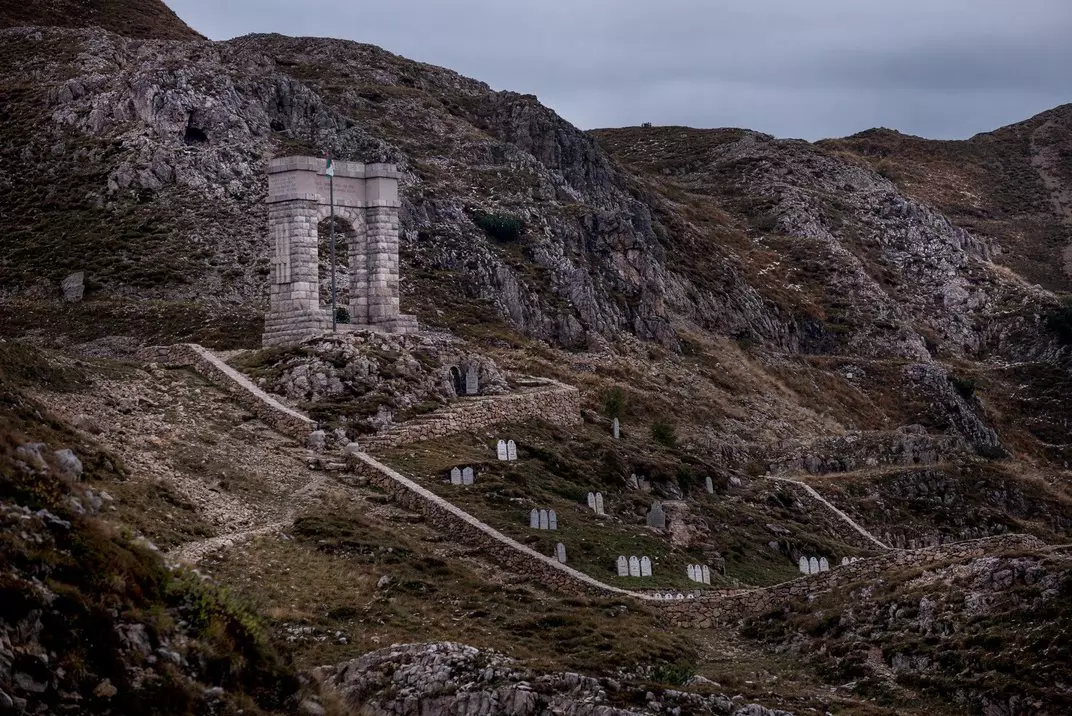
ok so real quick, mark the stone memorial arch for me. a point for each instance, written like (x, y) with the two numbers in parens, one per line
(366, 196)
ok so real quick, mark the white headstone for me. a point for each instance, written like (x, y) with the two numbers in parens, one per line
(544, 522)
(534, 519)
(468, 476)
(623, 567)
(552, 520)
(813, 566)
(560, 552)
(501, 450)
(634, 566)
(591, 500)
(511, 450)
(710, 485)
(844, 561)
(634, 483)
(455, 476)
(645, 567)
(616, 429)
(657, 518)
(691, 571)
(599, 503)
(472, 383)
(804, 566)
(680, 595)
(705, 574)
(824, 565)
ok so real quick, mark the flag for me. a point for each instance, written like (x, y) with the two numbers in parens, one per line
(330, 171)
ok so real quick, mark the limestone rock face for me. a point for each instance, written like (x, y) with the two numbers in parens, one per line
(450, 678)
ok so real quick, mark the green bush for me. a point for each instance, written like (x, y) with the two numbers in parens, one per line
(614, 403)
(501, 227)
(964, 386)
(664, 433)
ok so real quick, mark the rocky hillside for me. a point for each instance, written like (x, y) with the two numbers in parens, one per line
(879, 318)
(131, 18)
(1011, 185)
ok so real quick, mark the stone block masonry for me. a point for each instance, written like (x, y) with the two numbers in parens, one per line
(299, 197)
(555, 403)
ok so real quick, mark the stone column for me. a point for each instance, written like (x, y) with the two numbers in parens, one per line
(359, 271)
(382, 265)
(294, 295)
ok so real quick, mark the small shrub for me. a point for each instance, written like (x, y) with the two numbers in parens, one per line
(964, 386)
(342, 315)
(664, 433)
(676, 674)
(501, 227)
(614, 403)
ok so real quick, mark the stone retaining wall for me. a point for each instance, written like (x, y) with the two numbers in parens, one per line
(709, 610)
(557, 404)
(276, 415)
(494, 545)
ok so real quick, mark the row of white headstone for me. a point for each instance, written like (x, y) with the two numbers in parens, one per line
(462, 477)
(849, 560)
(543, 520)
(699, 573)
(671, 596)
(506, 450)
(634, 567)
(595, 502)
(813, 565)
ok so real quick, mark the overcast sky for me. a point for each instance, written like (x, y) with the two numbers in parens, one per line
(793, 68)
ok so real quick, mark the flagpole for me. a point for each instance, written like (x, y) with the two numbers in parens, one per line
(331, 193)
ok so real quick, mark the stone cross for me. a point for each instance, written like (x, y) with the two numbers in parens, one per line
(710, 485)
(560, 552)
(472, 382)
(657, 518)
(468, 476)
(534, 519)
(645, 567)
(813, 566)
(634, 566)
(455, 476)
(824, 565)
(599, 504)
(591, 500)
(502, 451)
(623, 567)
(552, 520)
(705, 574)
(616, 429)
(804, 566)
(544, 523)
(511, 450)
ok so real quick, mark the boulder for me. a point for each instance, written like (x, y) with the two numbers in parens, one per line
(69, 464)
(74, 287)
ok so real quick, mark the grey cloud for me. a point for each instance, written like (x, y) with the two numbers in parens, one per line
(942, 68)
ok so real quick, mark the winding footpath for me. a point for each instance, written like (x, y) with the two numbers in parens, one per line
(812, 492)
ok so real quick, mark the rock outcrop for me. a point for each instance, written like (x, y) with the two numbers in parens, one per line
(449, 678)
